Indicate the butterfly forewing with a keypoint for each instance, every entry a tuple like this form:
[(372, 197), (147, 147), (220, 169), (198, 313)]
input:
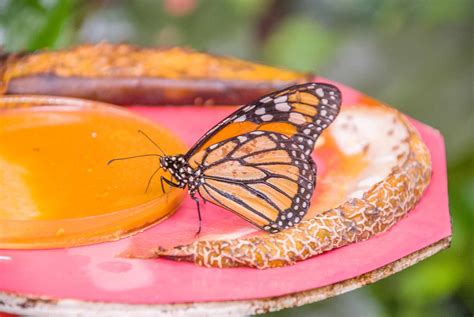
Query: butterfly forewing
[(302, 111)]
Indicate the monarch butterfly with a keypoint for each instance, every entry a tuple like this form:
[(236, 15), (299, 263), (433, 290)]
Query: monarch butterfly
[(257, 161)]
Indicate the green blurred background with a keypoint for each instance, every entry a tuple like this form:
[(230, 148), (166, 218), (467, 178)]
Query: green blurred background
[(414, 55)]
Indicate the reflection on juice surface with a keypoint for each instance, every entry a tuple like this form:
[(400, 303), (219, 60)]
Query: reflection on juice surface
[(53, 164)]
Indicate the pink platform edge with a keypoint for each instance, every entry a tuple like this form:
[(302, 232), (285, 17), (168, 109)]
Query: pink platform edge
[(95, 273)]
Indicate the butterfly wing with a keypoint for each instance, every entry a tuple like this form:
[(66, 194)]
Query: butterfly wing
[(262, 176), (300, 112), (257, 162)]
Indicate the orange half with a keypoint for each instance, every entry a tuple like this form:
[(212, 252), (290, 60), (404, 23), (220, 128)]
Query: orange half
[(56, 188)]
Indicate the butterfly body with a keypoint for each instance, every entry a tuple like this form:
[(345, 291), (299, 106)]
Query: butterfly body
[(182, 172)]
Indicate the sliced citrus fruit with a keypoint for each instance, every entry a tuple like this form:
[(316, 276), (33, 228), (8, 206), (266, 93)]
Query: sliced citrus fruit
[(373, 168), (56, 188)]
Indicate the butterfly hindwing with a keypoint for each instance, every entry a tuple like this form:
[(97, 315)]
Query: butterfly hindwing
[(263, 177)]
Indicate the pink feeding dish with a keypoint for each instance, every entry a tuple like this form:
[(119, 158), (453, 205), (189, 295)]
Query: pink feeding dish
[(96, 273)]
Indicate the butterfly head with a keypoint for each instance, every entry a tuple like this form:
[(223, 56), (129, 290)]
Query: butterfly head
[(172, 163), (178, 167)]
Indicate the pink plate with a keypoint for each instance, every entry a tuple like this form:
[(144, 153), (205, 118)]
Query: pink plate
[(95, 273)]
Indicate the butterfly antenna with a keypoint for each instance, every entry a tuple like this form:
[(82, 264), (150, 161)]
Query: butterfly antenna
[(149, 139), (130, 157)]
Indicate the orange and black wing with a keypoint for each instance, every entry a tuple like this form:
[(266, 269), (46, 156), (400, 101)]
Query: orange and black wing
[(300, 112), (262, 176), (257, 162)]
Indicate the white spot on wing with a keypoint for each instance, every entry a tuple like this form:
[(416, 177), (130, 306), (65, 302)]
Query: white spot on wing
[(242, 138), (241, 118), (297, 118), (248, 108), (282, 107), (281, 99)]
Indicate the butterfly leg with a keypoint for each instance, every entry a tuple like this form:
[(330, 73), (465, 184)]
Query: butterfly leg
[(199, 212), (204, 200), (151, 178), (167, 181)]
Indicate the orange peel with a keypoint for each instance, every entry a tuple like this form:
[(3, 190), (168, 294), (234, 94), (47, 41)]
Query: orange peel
[(56, 188), (124, 74), (397, 172)]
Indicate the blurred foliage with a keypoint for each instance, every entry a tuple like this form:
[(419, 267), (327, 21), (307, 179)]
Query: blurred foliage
[(299, 34), (415, 55)]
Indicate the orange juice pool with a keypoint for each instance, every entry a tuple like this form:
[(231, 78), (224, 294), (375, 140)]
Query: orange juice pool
[(56, 188)]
